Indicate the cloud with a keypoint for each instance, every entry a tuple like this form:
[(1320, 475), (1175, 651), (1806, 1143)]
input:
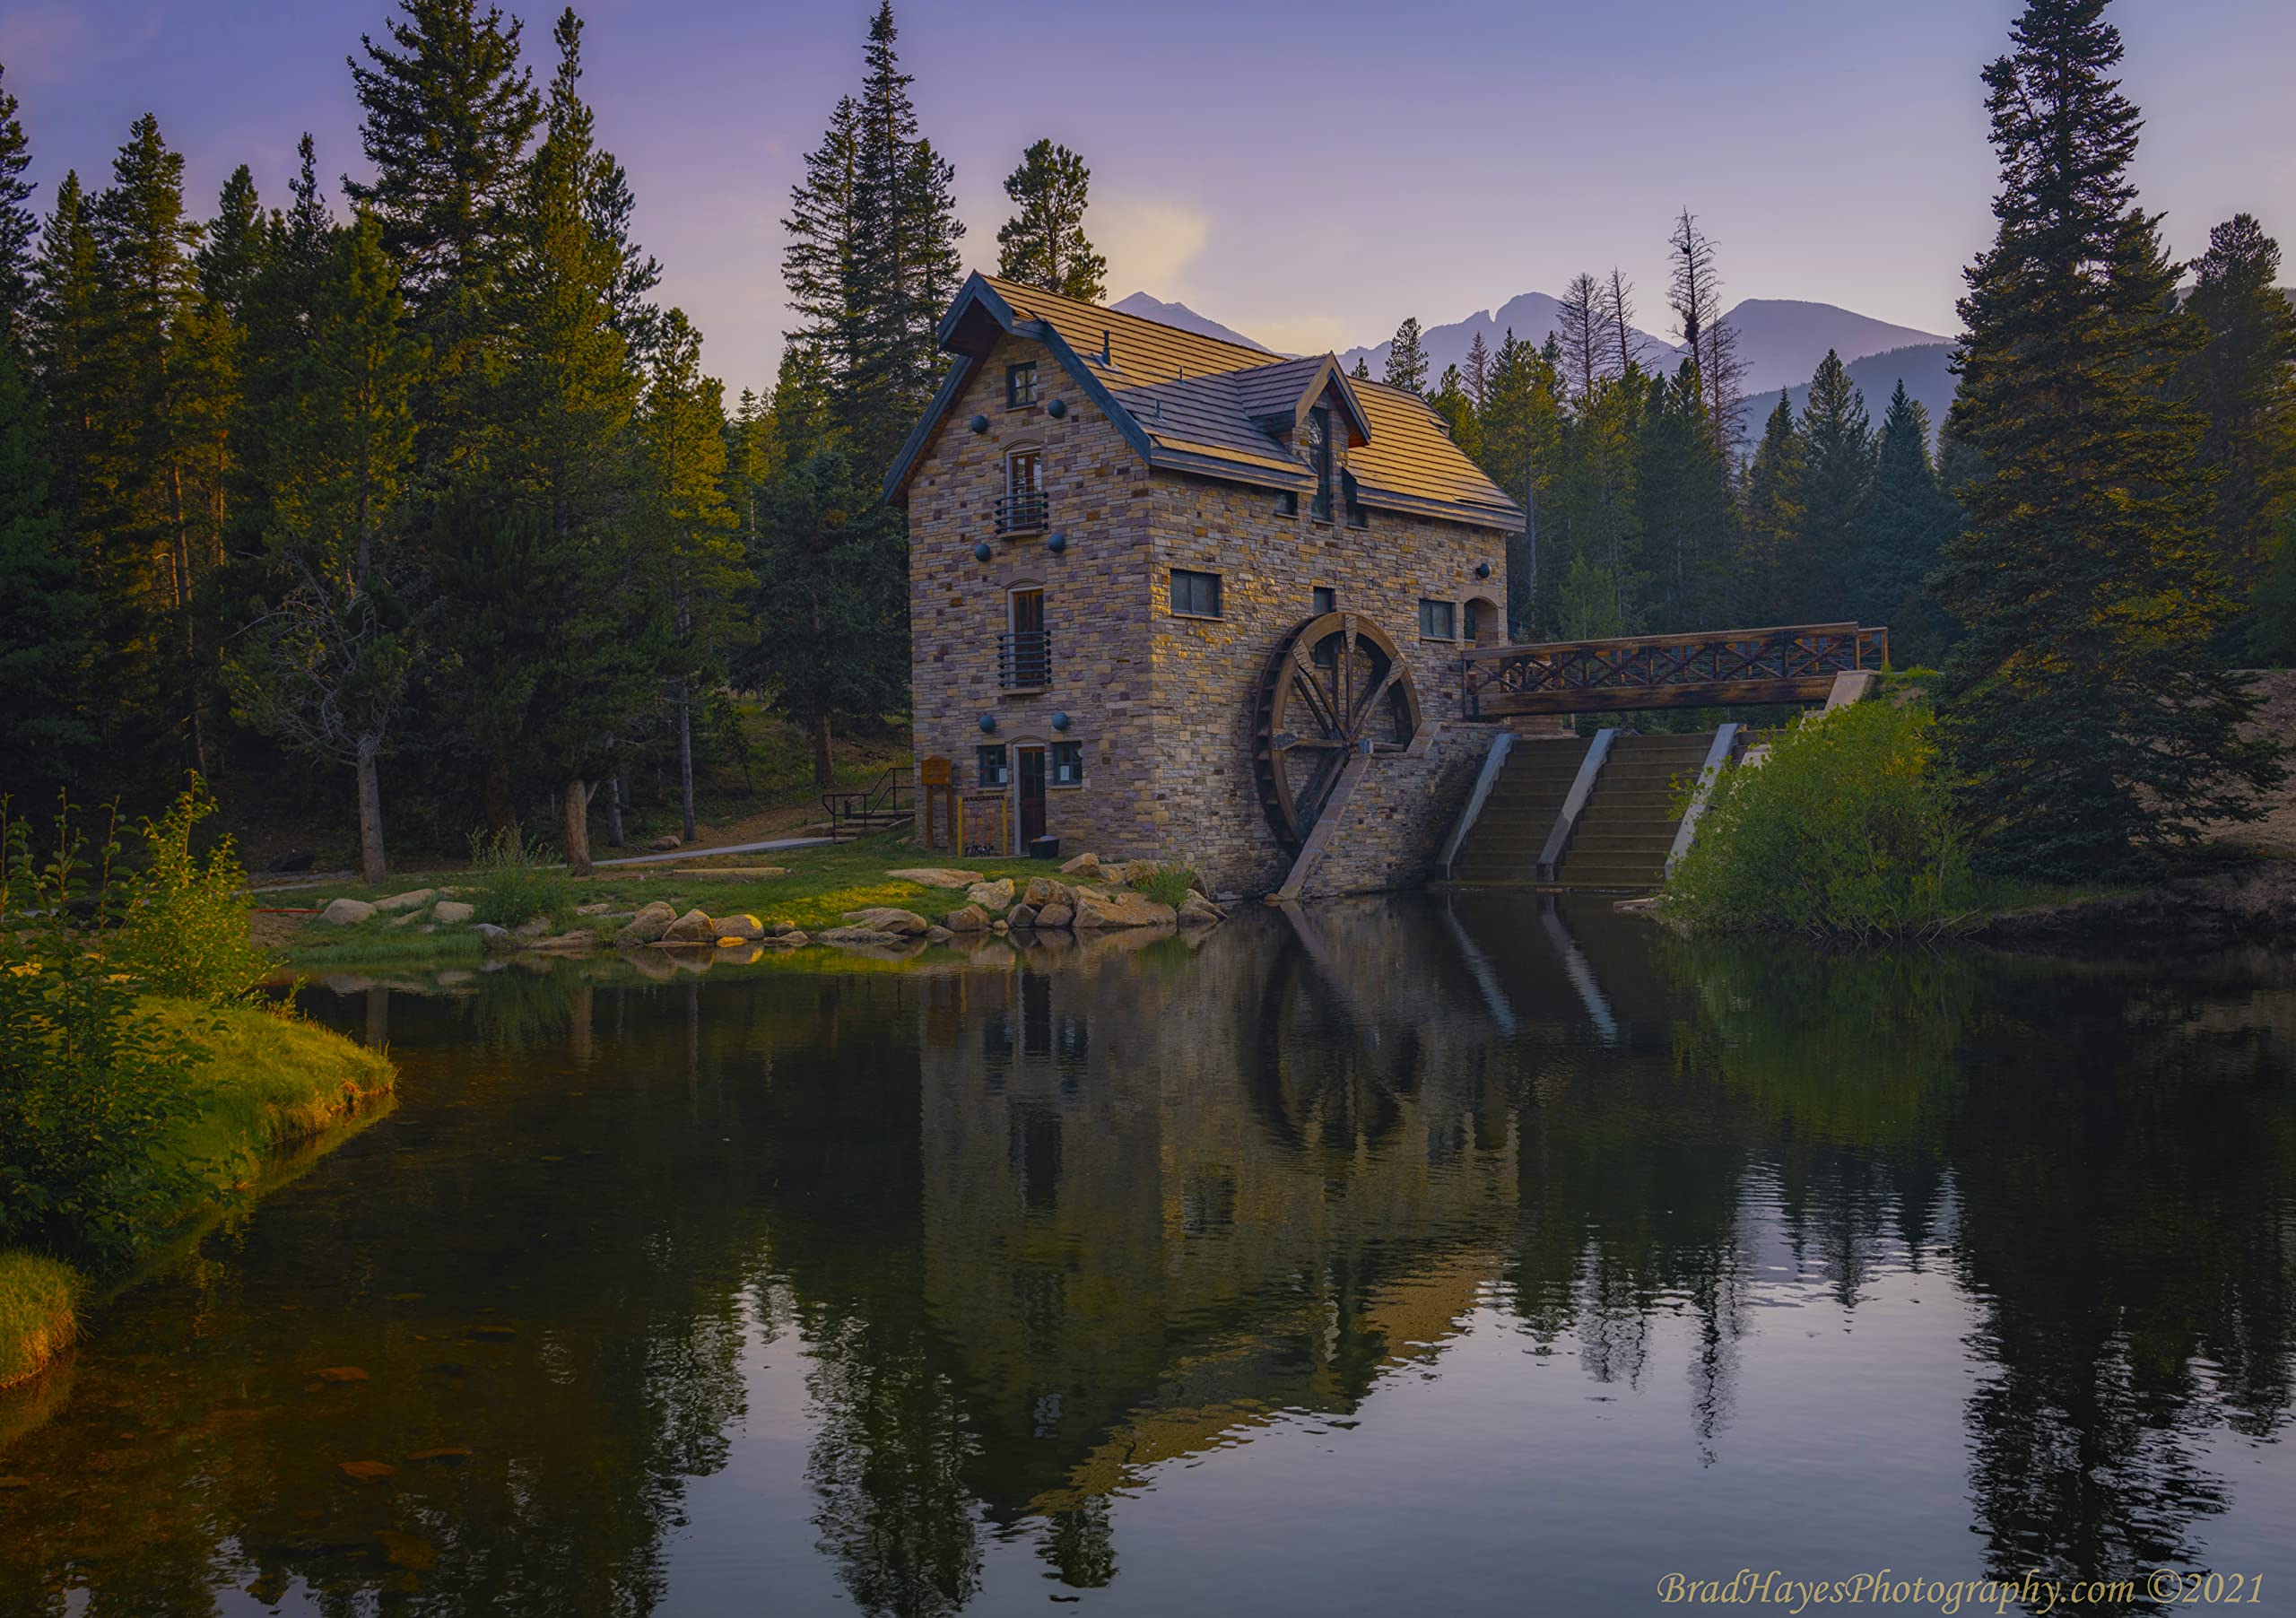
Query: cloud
[(1148, 243)]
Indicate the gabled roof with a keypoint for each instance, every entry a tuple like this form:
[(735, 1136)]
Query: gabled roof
[(1189, 403)]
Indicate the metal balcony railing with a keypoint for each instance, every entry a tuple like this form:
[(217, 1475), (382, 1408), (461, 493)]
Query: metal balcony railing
[(1022, 513), (1024, 659)]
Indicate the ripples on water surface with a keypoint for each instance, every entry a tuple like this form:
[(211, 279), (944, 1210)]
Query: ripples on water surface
[(1409, 1256)]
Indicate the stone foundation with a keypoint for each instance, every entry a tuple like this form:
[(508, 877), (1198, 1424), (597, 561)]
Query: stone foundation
[(1393, 826)]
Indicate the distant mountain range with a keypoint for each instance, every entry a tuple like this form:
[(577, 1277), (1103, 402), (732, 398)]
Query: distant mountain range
[(1781, 341), (1183, 317)]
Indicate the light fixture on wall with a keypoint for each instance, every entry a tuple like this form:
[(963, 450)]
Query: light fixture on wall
[(1482, 569)]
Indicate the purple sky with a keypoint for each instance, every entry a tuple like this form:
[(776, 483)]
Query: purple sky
[(1307, 173)]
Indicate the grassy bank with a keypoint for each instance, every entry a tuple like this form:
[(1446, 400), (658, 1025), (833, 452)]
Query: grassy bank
[(264, 1080)]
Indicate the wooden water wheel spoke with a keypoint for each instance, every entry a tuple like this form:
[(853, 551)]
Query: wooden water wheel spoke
[(1336, 687)]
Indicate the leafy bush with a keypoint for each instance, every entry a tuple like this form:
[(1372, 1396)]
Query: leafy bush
[(1846, 831), (515, 880), (89, 1086), (184, 924), (1167, 884)]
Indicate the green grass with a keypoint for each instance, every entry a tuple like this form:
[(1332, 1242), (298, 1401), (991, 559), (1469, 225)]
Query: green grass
[(40, 1302), (325, 948), (269, 1080)]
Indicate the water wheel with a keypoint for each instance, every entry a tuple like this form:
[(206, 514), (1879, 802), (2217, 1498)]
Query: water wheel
[(1335, 687)]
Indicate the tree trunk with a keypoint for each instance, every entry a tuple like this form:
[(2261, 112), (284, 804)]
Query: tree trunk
[(577, 827), (686, 761), (495, 791), (372, 865), (613, 811), (824, 767)]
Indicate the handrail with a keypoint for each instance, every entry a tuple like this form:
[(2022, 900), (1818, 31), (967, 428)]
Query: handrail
[(1784, 664), (855, 806), (1723, 748), (1495, 761), (1574, 803), (1025, 512)]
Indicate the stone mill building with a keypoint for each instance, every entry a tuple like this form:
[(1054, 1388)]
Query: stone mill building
[(1175, 597)]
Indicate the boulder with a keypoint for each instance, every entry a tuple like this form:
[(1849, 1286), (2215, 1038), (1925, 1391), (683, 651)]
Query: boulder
[(1055, 915), (1135, 871), (936, 934), (577, 943), (665, 843), (971, 918), (453, 912), (1043, 891), (778, 929), (889, 918), (936, 876), (1197, 911), (1121, 909), (1000, 926), (533, 927), (646, 926), (346, 912), (1022, 916), (492, 933), (860, 938), (739, 929), (692, 927), (991, 895), (1086, 866), (791, 939), (413, 901), (599, 908)]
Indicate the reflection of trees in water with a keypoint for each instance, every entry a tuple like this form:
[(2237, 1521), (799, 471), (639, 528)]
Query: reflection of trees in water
[(2118, 1148)]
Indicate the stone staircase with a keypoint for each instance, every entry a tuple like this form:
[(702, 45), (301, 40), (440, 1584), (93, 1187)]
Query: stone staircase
[(1628, 827), (1502, 851)]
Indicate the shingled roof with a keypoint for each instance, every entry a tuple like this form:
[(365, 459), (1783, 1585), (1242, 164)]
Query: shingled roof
[(1193, 403)]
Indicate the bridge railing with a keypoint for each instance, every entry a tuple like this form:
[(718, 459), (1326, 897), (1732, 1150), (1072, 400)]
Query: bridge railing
[(1793, 663)]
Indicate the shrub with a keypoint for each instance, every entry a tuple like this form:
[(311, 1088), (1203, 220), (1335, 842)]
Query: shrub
[(1846, 831), (1167, 884), (516, 881), (89, 1084), (183, 923)]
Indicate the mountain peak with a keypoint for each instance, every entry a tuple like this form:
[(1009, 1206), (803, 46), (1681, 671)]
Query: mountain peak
[(1182, 317)]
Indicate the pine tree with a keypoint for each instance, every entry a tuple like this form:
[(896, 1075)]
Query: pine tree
[(1901, 532), (148, 389), (49, 614), (327, 668), (65, 341), (1516, 432), (19, 229), (2080, 702), (690, 529), (448, 115), (905, 265), (1044, 243), (1362, 371), (1774, 518), (1618, 316), (1581, 328), (1450, 402), (1406, 359), (817, 267), (564, 413), (1475, 375), (1684, 511), (1837, 441), (2243, 383), (831, 565)]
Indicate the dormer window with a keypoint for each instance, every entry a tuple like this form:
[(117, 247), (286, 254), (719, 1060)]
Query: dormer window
[(1020, 385), (1319, 460)]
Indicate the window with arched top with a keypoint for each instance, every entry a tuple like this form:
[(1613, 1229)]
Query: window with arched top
[(1485, 623), (1023, 508)]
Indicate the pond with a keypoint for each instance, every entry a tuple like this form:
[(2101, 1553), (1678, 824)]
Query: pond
[(1425, 1254)]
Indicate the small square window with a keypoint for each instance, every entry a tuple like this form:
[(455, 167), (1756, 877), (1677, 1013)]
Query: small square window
[(1437, 621), (994, 771), (1325, 599), (1067, 763), (1021, 384), (1195, 594)]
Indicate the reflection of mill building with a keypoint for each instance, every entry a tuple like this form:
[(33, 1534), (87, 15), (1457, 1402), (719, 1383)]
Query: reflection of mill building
[(1164, 587)]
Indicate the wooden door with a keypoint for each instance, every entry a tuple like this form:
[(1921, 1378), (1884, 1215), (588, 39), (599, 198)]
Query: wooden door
[(1032, 796)]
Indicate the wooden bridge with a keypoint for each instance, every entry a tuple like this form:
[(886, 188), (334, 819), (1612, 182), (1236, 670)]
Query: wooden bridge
[(1727, 667)]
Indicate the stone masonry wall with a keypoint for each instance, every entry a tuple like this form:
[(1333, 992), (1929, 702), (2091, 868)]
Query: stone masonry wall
[(1402, 810), (1206, 809), (1095, 599), (1160, 703)]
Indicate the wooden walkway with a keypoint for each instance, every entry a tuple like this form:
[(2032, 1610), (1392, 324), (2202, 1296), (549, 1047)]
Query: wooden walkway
[(1727, 667)]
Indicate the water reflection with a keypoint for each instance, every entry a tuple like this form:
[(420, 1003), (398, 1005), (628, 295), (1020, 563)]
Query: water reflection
[(1006, 1244)]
